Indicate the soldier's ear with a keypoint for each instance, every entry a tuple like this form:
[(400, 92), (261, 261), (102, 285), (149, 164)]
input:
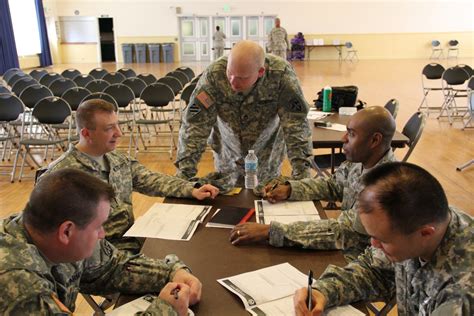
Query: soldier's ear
[(65, 232), (261, 72)]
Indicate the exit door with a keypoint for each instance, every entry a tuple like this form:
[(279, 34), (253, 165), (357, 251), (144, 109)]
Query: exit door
[(107, 39)]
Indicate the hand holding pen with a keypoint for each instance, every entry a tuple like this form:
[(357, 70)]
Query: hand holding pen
[(176, 294), (309, 301), (310, 291), (277, 192)]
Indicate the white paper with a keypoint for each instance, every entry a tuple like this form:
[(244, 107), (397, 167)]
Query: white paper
[(291, 218), (335, 127), (346, 310), (313, 114), (138, 305), (283, 211), (169, 221)]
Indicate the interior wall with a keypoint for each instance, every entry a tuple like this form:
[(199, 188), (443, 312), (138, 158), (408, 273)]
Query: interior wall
[(379, 29)]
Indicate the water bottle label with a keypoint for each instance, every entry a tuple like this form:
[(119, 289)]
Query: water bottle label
[(250, 166)]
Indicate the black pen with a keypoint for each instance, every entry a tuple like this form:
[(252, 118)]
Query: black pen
[(310, 290), (175, 293), (274, 186)]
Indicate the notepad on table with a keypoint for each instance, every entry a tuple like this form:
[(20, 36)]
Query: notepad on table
[(229, 216)]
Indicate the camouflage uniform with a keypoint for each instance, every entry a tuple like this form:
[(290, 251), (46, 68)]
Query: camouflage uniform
[(125, 176), (271, 114), (344, 233), (32, 285), (278, 42), (442, 286)]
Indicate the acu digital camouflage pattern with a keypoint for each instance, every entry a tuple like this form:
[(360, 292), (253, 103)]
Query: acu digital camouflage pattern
[(345, 232), (442, 286), (32, 285), (278, 42), (125, 176), (271, 115)]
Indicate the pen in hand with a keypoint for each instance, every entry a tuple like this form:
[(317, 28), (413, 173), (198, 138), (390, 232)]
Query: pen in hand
[(310, 290), (274, 186), (175, 293)]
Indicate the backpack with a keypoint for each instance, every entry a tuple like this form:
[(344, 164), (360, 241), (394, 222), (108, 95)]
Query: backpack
[(341, 97)]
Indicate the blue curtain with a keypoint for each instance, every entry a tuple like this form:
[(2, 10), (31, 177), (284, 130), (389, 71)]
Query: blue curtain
[(8, 54), (45, 56)]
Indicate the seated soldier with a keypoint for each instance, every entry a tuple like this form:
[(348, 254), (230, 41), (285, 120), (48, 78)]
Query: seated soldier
[(97, 124), (366, 145), (56, 249), (422, 249)]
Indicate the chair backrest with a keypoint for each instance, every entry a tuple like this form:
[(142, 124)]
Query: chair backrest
[(70, 73), (157, 95), (181, 76), (136, 84), (4, 89), (16, 77), (9, 73), (196, 79), (435, 43), (470, 84), (413, 130), (187, 92), (31, 95), (47, 79), (455, 76), (453, 43), (392, 106), (147, 78), (467, 69), (10, 107), (97, 85), (103, 96), (173, 83), (22, 84), (83, 80), (348, 44), (127, 72), (51, 110), (98, 73), (121, 93), (37, 74), (188, 71), (59, 86), (74, 96), (114, 77), (433, 71)]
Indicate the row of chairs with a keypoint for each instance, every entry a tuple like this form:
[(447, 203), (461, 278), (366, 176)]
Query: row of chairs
[(127, 98), (437, 50), (454, 83)]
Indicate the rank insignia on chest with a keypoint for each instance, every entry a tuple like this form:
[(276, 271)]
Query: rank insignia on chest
[(205, 99)]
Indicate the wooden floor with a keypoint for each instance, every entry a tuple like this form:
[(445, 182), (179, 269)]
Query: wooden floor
[(442, 146)]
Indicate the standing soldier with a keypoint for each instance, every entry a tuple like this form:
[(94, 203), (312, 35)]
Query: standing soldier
[(219, 43), (278, 40)]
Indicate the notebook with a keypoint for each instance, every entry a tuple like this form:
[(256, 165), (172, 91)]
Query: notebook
[(229, 216)]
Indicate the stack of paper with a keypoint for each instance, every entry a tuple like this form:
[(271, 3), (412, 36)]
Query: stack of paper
[(169, 221), (285, 212), (270, 291)]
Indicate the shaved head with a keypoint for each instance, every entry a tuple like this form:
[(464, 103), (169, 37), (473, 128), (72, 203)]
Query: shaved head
[(377, 119)]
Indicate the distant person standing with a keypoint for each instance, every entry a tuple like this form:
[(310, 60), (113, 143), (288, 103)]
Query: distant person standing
[(219, 44), (278, 40)]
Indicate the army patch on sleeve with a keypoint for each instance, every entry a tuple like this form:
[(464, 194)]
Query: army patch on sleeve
[(194, 109), (294, 105), (205, 99)]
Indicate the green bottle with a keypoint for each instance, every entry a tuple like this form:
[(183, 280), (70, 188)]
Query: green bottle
[(327, 95)]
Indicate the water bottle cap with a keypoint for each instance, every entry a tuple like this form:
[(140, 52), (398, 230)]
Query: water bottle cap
[(251, 151)]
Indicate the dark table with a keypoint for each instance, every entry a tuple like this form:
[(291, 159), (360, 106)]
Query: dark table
[(211, 256)]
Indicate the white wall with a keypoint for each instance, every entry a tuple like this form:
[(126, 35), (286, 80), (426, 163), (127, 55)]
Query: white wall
[(158, 18)]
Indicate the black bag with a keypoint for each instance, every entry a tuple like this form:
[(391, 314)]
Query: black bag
[(341, 97)]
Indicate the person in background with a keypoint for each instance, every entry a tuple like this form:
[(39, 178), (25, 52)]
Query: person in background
[(245, 101), (297, 47), (219, 43), (278, 40), (422, 249), (99, 133), (56, 249)]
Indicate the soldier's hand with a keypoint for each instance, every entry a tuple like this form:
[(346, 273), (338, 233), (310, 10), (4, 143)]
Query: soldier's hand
[(195, 286), (300, 302), (277, 193), (205, 191), (248, 233), (177, 294)]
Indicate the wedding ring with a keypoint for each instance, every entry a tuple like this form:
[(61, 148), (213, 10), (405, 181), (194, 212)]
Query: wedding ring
[(238, 233)]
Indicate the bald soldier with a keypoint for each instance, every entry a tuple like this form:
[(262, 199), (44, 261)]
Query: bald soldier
[(366, 145), (246, 101)]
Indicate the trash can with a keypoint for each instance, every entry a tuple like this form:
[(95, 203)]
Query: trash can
[(154, 52), (168, 53), (127, 52), (140, 53)]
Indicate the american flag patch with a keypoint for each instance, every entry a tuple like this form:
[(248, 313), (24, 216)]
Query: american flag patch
[(205, 99)]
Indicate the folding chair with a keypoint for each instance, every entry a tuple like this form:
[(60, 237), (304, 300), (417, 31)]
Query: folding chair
[(98, 73), (147, 78), (351, 52), (71, 73), (127, 72), (61, 85), (47, 79), (37, 74), (181, 76), (97, 85), (74, 96), (9, 73), (188, 71), (470, 105), (17, 77), (453, 49), (22, 84), (453, 85), (436, 50), (392, 106), (83, 80), (4, 90), (413, 129), (114, 77), (432, 73)]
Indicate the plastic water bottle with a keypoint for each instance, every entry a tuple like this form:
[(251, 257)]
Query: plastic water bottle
[(327, 96), (251, 165)]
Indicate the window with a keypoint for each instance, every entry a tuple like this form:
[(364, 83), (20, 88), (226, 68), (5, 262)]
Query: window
[(252, 26), (187, 28), (204, 26), (235, 27), (25, 27)]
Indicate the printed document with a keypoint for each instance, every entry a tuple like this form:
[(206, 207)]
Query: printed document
[(135, 306), (285, 212), (169, 221)]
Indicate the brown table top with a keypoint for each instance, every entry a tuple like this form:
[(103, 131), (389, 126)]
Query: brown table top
[(326, 138), (211, 256)]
